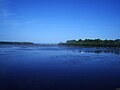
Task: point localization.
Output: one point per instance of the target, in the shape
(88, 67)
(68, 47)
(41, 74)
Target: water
(58, 68)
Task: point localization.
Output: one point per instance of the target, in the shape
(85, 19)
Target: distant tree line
(93, 43)
(4, 42)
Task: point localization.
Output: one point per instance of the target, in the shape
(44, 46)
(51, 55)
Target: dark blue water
(58, 68)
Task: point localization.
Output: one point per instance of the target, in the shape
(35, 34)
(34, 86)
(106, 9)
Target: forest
(93, 43)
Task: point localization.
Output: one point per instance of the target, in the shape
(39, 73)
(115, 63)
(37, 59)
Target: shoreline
(93, 43)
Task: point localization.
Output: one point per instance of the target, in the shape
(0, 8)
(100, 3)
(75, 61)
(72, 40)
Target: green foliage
(93, 43)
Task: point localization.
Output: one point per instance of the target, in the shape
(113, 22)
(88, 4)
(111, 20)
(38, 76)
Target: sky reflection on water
(58, 68)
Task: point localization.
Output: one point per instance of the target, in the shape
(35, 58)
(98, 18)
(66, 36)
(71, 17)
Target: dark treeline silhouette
(4, 42)
(93, 43)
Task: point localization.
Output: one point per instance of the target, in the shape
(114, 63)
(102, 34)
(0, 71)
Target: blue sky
(53, 21)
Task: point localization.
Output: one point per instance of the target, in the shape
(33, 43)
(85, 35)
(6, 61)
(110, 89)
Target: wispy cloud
(8, 19)
(6, 14)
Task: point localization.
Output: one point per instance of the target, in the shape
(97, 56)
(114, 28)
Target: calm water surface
(58, 68)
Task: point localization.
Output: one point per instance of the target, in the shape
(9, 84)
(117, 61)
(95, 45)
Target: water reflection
(117, 52)
(58, 68)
